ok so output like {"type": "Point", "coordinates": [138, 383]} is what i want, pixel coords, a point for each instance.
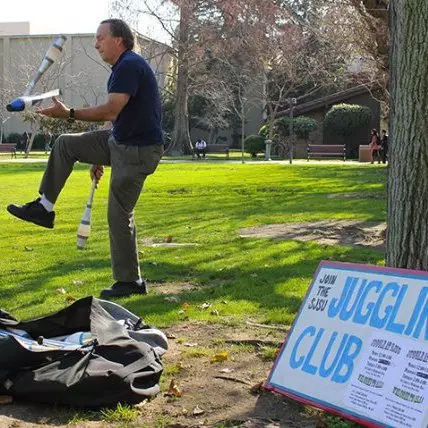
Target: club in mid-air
{"type": "Point", "coordinates": [52, 55]}
{"type": "Point", "coordinates": [26, 101]}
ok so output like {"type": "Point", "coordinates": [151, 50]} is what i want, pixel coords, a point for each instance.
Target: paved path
{"type": "Point", "coordinates": [7, 159]}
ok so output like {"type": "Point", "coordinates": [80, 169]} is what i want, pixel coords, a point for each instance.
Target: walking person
{"type": "Point", "coordinates": [133, 149]}
{"type": "Point", "coordinates": [375, 145]}
{"type": "Point", "coordinates": [384, 142]}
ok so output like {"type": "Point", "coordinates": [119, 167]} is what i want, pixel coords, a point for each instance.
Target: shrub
{"type": "Point", "coordinates": [14, 138]}
{"type": "Point", "coordinates": [302, 126]}
{"type": "Point", "coordinates": [254, 144]}
{"type": "Point", "coordinates": [344, 119]}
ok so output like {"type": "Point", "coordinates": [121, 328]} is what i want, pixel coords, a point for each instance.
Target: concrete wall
{"type": "Point", "coordinates": [14, 28]}
{"type": "Point", "coordinates": [80, 73]}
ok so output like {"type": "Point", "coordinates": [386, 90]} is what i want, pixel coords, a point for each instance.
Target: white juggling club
{"type": "Point", "coordinates": [84, 228]}
{"type": "Point", "coordinates": [52, 54]}
{"type": "Point", "coordinates": [26, 101]}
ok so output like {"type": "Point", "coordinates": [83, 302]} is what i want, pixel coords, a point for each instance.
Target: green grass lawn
{"type": "Point", "coordinates": [204, 203]}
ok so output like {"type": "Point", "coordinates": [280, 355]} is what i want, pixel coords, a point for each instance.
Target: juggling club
{"type": "Point", "coordinates": [52, 54]}
{"type": "Point", "coordinates": [84, 228]}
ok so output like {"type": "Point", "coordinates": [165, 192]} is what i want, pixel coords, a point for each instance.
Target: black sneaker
{"type": "Point", "coordinates": [33, 212]}
{"type": "Point", "coordinates": [123, 289]}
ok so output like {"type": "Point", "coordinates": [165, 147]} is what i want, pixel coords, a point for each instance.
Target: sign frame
{"type": "Point", "coordinates": [324, 404]}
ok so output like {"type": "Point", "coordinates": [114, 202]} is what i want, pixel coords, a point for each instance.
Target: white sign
{"type": "Point", "coordinates": [359, 346]}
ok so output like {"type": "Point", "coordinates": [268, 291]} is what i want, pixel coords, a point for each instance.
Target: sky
{"type": "Point", "coordinates": [55, 16]}
{"type": "Point", "coordinates": [65, 16]}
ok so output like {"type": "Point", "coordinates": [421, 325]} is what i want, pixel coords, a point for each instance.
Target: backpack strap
{"type": "Point", "coordinates": [136, 366]}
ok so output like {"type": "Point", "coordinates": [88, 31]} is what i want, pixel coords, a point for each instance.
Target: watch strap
{"type": "Point", "coordinates": [71, 115]}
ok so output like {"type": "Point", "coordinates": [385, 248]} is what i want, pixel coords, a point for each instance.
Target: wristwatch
{"type": "Point", "coordinates": [71, 117]}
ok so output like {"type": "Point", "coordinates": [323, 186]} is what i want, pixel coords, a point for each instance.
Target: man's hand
{"type": "Point", "coordinates": [58, 110]}
{"type": "Point", "coordinates": [96, 172]}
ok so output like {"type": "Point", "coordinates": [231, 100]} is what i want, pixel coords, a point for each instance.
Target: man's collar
{"type": "Point", "coordinates": [120, 58]}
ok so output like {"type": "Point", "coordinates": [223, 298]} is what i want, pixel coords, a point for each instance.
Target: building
{"type": "Point", "coordinates": [14, 28]}
{"type": "Point", "coordinates": [80, 73]}
{"type": "Point", "coordinates": [318, 108]}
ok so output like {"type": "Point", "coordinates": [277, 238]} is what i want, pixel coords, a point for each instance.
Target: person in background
{"type": "Point", "coordinates": [375, 145]}
{"type": "Point", "coordinates": [200, 148]}
{"type": "Point", "coordinates": [384, 146]}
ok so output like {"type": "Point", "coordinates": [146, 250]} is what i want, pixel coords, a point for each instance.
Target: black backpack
{"type": "Point", "coordinates": [118, 362]}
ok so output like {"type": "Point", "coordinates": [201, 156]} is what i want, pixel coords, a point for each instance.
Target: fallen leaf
{"type": "Point", "coordinates": [222, 356]}
{"type": "Point", "coordinates": [171, 336]}
{"type": "Point", "coordinates": [174, 390]}
{"type": "Point", "coordinates": [70, 298]}
{"type": "Point", "coordinates": [186, 305]}
{"type": "Point", "coordinates": [6, 399]}
{"type": "Point", "coordinates": [169, 238]}
{"type": "Point", "coordinates": [198, 411]}
{"type": "Point", "coordinates": [226, 370]}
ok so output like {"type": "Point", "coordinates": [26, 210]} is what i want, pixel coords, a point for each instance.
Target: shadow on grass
{"type": "Point", "coordinates": [277, 279]}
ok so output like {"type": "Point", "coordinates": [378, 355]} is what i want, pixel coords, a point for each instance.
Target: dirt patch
{"type": "Point", "coordinates": [357, 196]}
{"type": "Point", "coordinates": [173, 289]}
{"type": "Point", "coordinates": [327, 232]}
{"type": "Point", "coordinates": [224, 393]}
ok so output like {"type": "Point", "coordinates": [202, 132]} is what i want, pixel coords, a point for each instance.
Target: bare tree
{"type": "Point", "coordinates": [23, 66]}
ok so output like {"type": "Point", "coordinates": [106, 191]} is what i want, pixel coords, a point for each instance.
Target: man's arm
{"type": "Point", "coordinates": [100, 113]}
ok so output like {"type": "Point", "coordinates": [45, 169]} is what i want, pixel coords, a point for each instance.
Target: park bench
{"type": "Point", "coordinates": [8, 148]}
{"type": "Point", "coordinates": [326, 150]}
{"type": "Point", "coordinates": [215, 148]}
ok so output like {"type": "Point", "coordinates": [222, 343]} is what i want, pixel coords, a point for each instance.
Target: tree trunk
{"type": "Point", "coordinates": [242, 131]}
{"type": "Point", "coordinates": [407, 237]}
{"type": "Point", "coordinates": [180, 135]}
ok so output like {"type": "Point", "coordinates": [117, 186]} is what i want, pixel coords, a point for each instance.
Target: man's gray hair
{"type": "Point", "coordinates": [119, 28]}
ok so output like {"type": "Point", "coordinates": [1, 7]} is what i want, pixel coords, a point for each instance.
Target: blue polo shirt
{"type": "Point", "coordinates": [139, 122]}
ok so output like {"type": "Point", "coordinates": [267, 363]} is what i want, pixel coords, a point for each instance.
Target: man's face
{"type": "Point", "coordinates": [108, 47]}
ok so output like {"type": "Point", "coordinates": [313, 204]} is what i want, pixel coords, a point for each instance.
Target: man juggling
{"type": "Point", "coordinates": [133, 149]}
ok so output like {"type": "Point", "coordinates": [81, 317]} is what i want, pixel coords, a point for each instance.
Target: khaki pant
{"type": "Point", "coordinates": [130, 165]}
